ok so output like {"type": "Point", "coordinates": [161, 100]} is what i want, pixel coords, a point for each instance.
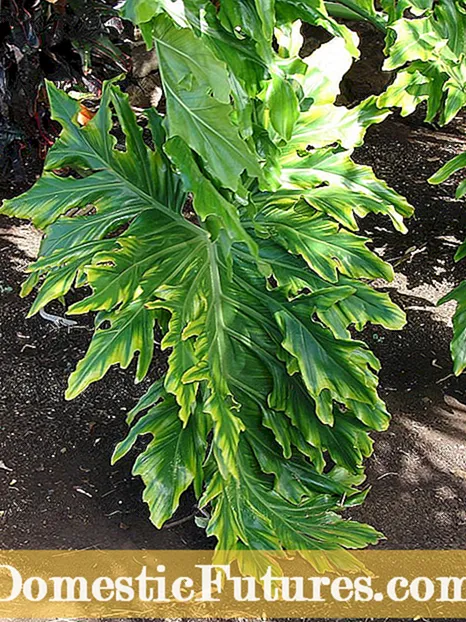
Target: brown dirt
{"type": "Point", "coordinates": [417, 471]}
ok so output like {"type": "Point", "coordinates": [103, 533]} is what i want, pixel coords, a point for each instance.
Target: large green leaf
{"type": "Point", "coordinates": [182, 65]}
{"type": "Point", "coordinates": [140, 11]}
{"type": "Point", "coordinates": [117, 188]}
{"type": "Point", "coordinates": [196, 99]}
{"type": "Point", "coordinates": [327, 124]}
{"type": "Point", "coordinates": [172, 460]}
{"type": "Point", "coordinates": [248, 509]}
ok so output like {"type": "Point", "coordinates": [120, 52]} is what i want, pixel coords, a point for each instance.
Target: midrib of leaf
{"type": "Point", "coordinates": [216, 292]}
{"type": "Point", "coordinates": [63, 254]}
{"type": "Point", "coordinates": [192, 287]}
{"type": "Point", "coordinates": [186, 261]}
{"type": "Point", "coordinates": [150, 258]}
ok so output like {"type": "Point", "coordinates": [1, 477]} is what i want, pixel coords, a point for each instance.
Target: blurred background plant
{"type": "Point", "coordinates": [75, 43]}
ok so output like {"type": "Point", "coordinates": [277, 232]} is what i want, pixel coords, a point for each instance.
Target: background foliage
{"type": "Point", "coordinates": [67, 41]}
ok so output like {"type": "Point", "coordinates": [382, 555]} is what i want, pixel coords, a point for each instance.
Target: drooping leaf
{"type": "Point", "coordinates": [171, 461]}
{"type": "Point", "coordinates": [458, 344]}
{"type": "Point", "coordinates": [131, 330]}
{"type": "Point", "coordinates": [315, 12]}
{"type": "Point", "coordinates": [334, 168]}
{"type": "Point", "coordinates": [454, 165]}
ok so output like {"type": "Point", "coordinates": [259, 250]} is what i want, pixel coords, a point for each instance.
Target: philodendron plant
{"type": "Point", "coordinates": [231, 224]}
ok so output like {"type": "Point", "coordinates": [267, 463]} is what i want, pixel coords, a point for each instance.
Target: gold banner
{"type": "Point", "coordinates": [204, 584]}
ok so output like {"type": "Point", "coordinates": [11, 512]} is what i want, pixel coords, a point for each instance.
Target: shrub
{"type": "Point", "coordinates": [234, 230]}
